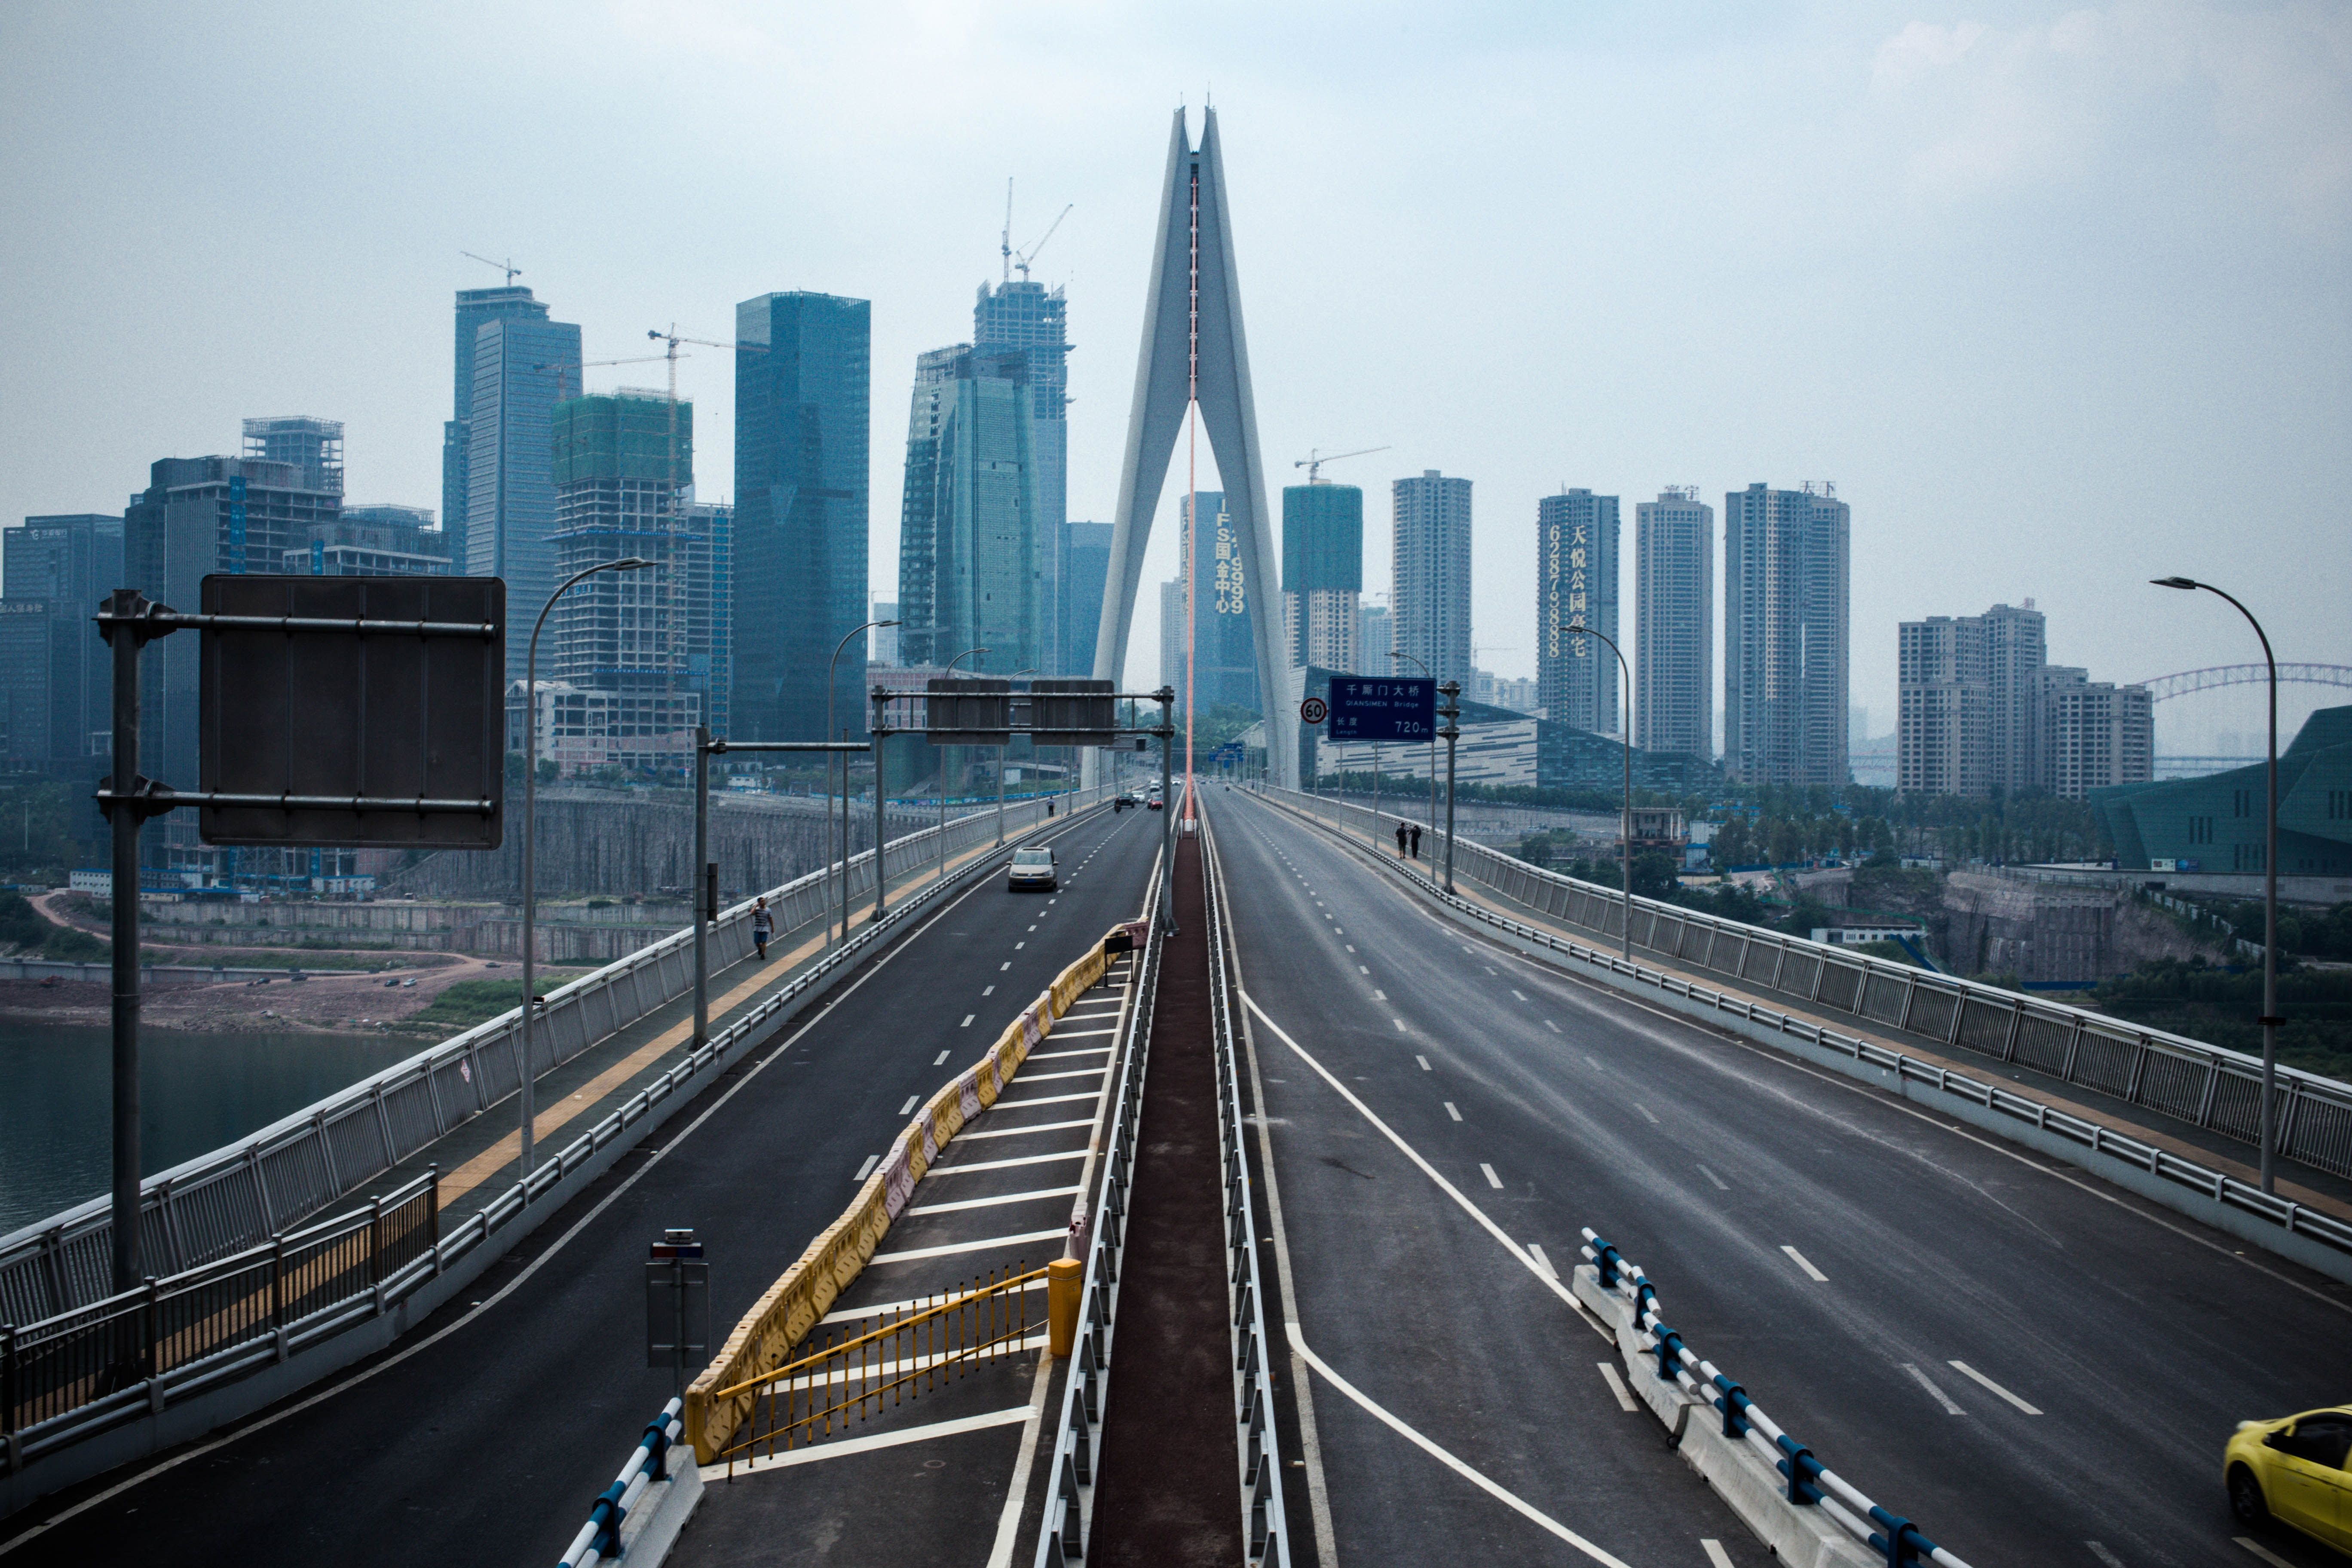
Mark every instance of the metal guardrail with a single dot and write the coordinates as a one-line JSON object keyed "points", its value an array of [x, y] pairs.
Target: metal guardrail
{"points": [[90, 1368], [893, 1356], [2295, 1218], [1811, 1484], [83, 1408], [221, 1202], [599, 1540], [2204, 1085], [1266, 1529], [1068, 1519]]}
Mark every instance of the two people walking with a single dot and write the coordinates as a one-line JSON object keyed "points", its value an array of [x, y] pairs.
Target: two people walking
{"points": [[1408, 837]]}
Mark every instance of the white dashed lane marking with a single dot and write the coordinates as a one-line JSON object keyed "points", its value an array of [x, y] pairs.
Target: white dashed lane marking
{"points": [[1972, 1374], [1451, 1111], [1801, 1261], [1492, 1180]]}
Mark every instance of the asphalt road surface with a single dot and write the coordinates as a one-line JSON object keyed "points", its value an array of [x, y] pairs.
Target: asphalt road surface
{"points": [[2035, 1366], [489, 1444]]}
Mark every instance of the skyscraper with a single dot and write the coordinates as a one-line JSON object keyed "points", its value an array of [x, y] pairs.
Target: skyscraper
{"points": [[969, 569], [1966, 716], [715, 520], [882, 643], [1786, 572], [1084, 569], [475, 306], [1375, 639], [1674, 627], [1576, 586], [1433, 577], [522, 367], [802, 428], [1172, 637], [315, 447], [642, 636], [1323, 575], [68, 563], [1225, 644], [1029, 318]]}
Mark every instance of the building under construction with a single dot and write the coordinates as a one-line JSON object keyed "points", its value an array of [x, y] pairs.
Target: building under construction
{"points": [[635, 648]]}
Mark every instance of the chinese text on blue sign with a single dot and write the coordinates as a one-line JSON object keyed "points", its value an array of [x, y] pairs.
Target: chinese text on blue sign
{"points": [[1383, 709]]}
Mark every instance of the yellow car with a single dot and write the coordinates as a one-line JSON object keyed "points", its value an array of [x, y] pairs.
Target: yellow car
{"points": [[2293, 1471]]}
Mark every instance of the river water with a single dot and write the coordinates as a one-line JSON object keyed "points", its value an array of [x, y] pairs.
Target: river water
{"points": [[196, 1092]]}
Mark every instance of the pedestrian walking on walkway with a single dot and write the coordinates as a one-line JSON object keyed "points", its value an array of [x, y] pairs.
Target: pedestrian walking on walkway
{"points": [[1402, 835], [763, 926], [1416, 841]]}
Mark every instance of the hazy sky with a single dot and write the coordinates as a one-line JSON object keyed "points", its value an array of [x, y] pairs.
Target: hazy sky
{"points": [[2057, 296]]}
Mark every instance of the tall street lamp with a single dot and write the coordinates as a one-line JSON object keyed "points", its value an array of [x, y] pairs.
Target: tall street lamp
{"points": [[1625, 831], [943, 771], [530, 823], [844, 777], [2270, 1018], [1433, 752], [1000, 772]]}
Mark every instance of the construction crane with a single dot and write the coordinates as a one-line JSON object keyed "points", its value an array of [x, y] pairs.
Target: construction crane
{"points": [[672, 340], [1313, 462], [561, 367], [1022, 258], [506, 266]]}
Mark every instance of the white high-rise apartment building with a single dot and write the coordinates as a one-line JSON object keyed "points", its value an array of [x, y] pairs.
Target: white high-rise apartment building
{"points": [[1786, 575], [2093, 733], [1433, 577], [1674, 626], [1966, 721]]}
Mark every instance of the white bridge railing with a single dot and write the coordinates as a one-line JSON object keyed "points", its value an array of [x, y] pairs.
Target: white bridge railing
{"points": [[238, 1196], [2198, 1083]]}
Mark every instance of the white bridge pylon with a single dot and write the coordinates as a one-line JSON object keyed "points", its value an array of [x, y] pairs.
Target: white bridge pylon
{"points": [[1192, 339]]}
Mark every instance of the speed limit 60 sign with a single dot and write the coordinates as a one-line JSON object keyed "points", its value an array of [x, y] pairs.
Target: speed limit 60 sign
{"points": [[1314, 710]]}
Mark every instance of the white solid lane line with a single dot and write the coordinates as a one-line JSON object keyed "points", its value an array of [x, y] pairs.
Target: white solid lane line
{"points": [[1025, 1132], [1543, 1263], [867, 1169], [1019, 1413], [913, 1254], [1451, 1111], [1801, 1261], [1499, 1493], [1005, 1165], [1965, 1370], [912, 1101], [1942, 1398], [994, 1203], [1617, 1385], [1492, 1180]]}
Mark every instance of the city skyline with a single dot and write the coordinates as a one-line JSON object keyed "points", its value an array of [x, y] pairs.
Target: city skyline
{"points": [[1950, 233]]}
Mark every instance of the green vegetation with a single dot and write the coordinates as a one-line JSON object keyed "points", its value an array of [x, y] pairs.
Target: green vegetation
{"points": [[469, 1002], [35, 937], [2302, 932], [2220, 1007], [1786, 824]]}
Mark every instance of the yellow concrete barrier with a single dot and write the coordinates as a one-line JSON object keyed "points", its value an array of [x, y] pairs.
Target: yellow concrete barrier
{"points": [[781, 1318]]}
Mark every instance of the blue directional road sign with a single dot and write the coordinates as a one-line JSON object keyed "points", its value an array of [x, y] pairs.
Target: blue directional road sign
{"points": [[1382, 710]]}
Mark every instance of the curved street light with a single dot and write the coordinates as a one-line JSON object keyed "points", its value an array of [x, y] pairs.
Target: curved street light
{"points": [[829, 667], [1625, 828], [2270, 1018], [530, 823], [943, 769]]}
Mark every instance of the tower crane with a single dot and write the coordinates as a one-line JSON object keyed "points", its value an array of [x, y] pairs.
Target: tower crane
{"points": [[560, 366], [506, 266], [1313, 462], [1022, 258], [672, 339]]}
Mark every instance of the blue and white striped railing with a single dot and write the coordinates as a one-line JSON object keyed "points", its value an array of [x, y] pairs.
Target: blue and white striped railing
{"points": [[599, 1540], [1811, 1484]]}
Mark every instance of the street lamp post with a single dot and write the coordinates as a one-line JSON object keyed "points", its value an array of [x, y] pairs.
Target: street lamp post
{"points": [[844, 778], [1451, 713], [530, 823], [1000, 772], [1625, 828], [2270, 1018], [943, 772], [1433, 751]]}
